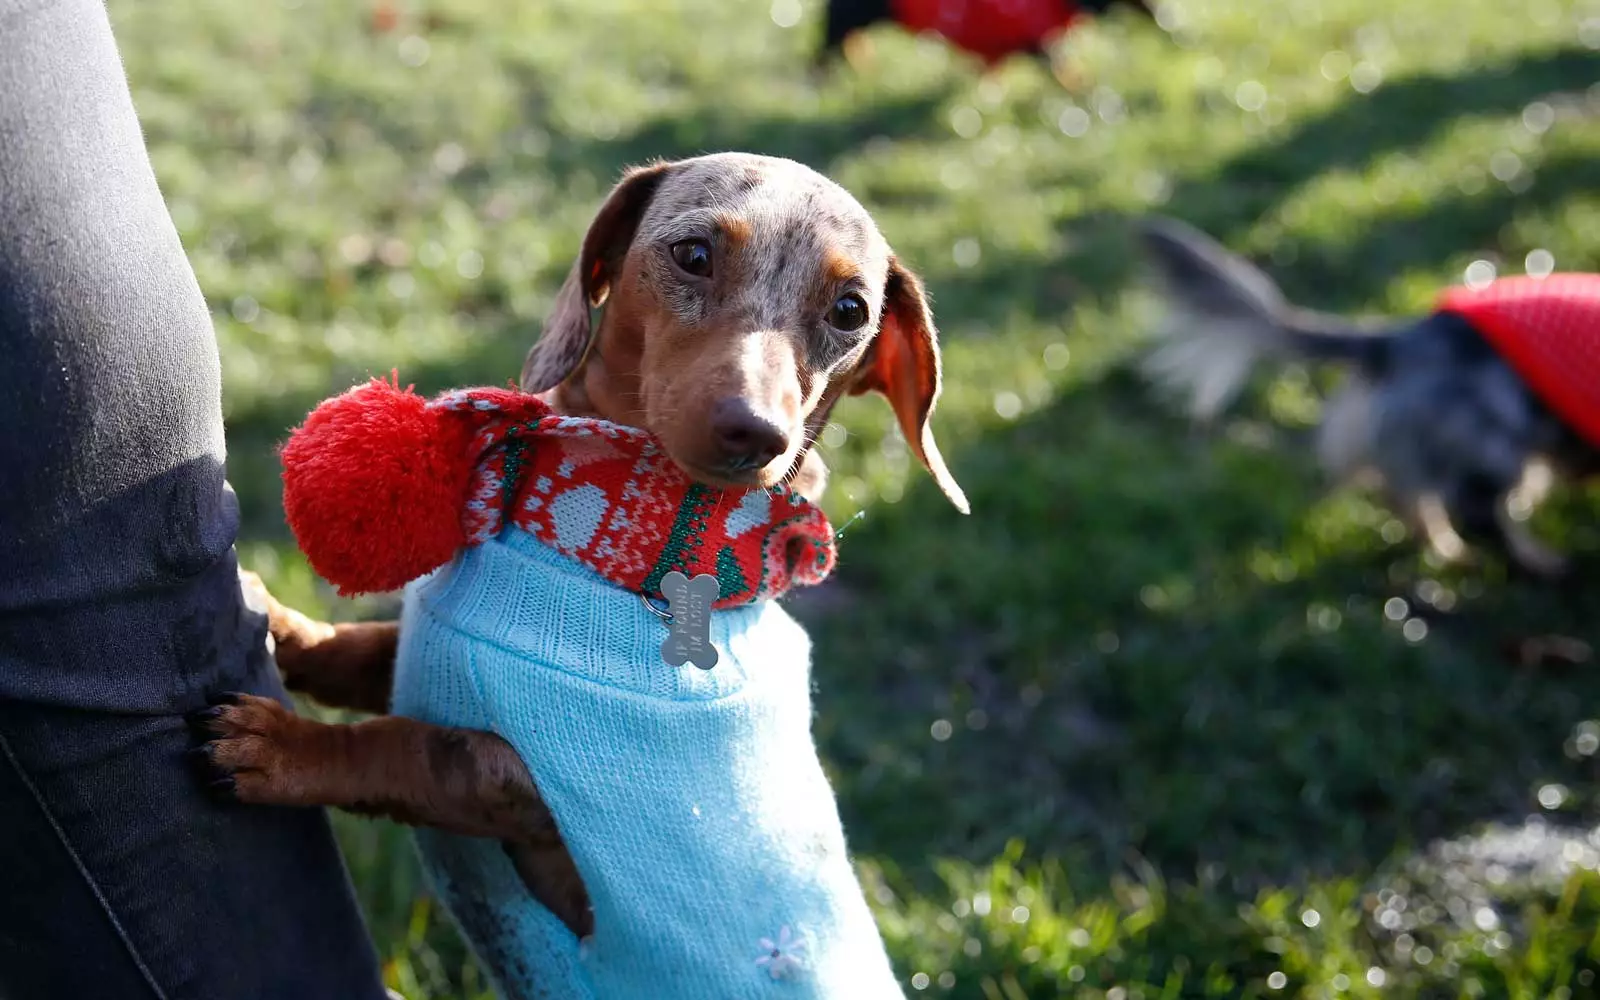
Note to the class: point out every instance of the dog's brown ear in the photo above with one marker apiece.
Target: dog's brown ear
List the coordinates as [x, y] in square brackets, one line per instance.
[903, 364]
[567, 334]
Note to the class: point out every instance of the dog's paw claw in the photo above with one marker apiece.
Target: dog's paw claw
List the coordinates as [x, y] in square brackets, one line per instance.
[218, 781]
[202, 717]
[243, 745]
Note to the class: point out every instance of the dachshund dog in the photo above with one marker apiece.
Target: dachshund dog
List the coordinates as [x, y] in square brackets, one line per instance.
[1461, 443]
[723, 303]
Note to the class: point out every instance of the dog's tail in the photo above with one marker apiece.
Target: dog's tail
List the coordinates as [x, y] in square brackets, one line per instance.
[1222, 315]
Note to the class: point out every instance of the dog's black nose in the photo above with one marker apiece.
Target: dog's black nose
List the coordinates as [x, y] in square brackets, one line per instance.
[746, 439]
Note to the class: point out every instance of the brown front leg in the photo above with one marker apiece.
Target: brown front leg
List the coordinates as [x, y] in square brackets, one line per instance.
[462, 781]
[350, 665]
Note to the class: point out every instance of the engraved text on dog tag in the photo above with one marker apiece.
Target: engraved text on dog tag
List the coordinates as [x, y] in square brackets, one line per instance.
[689, 630]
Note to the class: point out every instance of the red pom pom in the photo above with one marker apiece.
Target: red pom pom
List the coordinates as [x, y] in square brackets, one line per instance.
[373, 486]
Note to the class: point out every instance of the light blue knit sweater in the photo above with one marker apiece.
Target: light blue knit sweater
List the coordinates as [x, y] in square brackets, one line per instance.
[692, 801]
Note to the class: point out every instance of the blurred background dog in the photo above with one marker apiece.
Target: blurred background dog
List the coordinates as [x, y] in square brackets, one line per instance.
[1455, 436]
[992, 30]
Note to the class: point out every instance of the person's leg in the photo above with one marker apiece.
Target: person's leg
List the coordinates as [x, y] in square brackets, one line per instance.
[120, 609]
[121, 879]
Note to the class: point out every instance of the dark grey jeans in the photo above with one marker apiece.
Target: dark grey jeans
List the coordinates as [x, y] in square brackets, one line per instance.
[119, 606]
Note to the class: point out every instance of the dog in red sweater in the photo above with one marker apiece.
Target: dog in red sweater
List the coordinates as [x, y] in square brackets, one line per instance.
[1466, 414]
[992, 30]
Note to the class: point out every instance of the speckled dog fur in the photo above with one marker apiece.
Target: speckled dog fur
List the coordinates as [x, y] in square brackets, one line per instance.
[634, 338]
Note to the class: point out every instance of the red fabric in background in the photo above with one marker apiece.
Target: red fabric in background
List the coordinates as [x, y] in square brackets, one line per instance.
[1548, 330]
[990, 29]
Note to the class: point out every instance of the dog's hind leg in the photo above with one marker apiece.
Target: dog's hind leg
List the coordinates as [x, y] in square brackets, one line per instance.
[1432, 519]
[547, 869]
[1530, 554]
[1511, 515]
[1494, 509]
[1345, 436]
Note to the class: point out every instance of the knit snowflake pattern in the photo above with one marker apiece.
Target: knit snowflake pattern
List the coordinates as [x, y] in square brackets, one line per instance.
[783, 958]
[610, 497]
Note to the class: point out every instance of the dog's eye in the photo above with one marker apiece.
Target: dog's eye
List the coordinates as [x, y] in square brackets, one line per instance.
[849, 313]
[694, 256]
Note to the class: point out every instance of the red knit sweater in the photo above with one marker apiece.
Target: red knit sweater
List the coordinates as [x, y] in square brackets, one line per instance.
[990, 29]
[1548, 331]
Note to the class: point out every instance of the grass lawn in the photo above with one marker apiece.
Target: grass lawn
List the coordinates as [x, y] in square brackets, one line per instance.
[1162, 718]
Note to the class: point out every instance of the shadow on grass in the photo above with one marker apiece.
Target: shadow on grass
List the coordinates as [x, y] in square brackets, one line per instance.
[1140, 641]
[1358, 271]
[816, 142]
[1403, 114]
[1407, 113]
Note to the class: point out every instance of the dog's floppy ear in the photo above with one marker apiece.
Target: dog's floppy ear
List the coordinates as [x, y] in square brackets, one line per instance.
[567, 334]
[903, 364]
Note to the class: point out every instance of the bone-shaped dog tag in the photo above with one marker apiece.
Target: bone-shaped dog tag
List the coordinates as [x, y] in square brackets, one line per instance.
[689, 631]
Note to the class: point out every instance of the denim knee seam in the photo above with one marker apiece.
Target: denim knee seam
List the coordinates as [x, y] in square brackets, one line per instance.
[83, 870]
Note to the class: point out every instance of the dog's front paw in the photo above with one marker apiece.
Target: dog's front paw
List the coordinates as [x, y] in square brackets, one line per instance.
[254, 589]
[250, 749]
